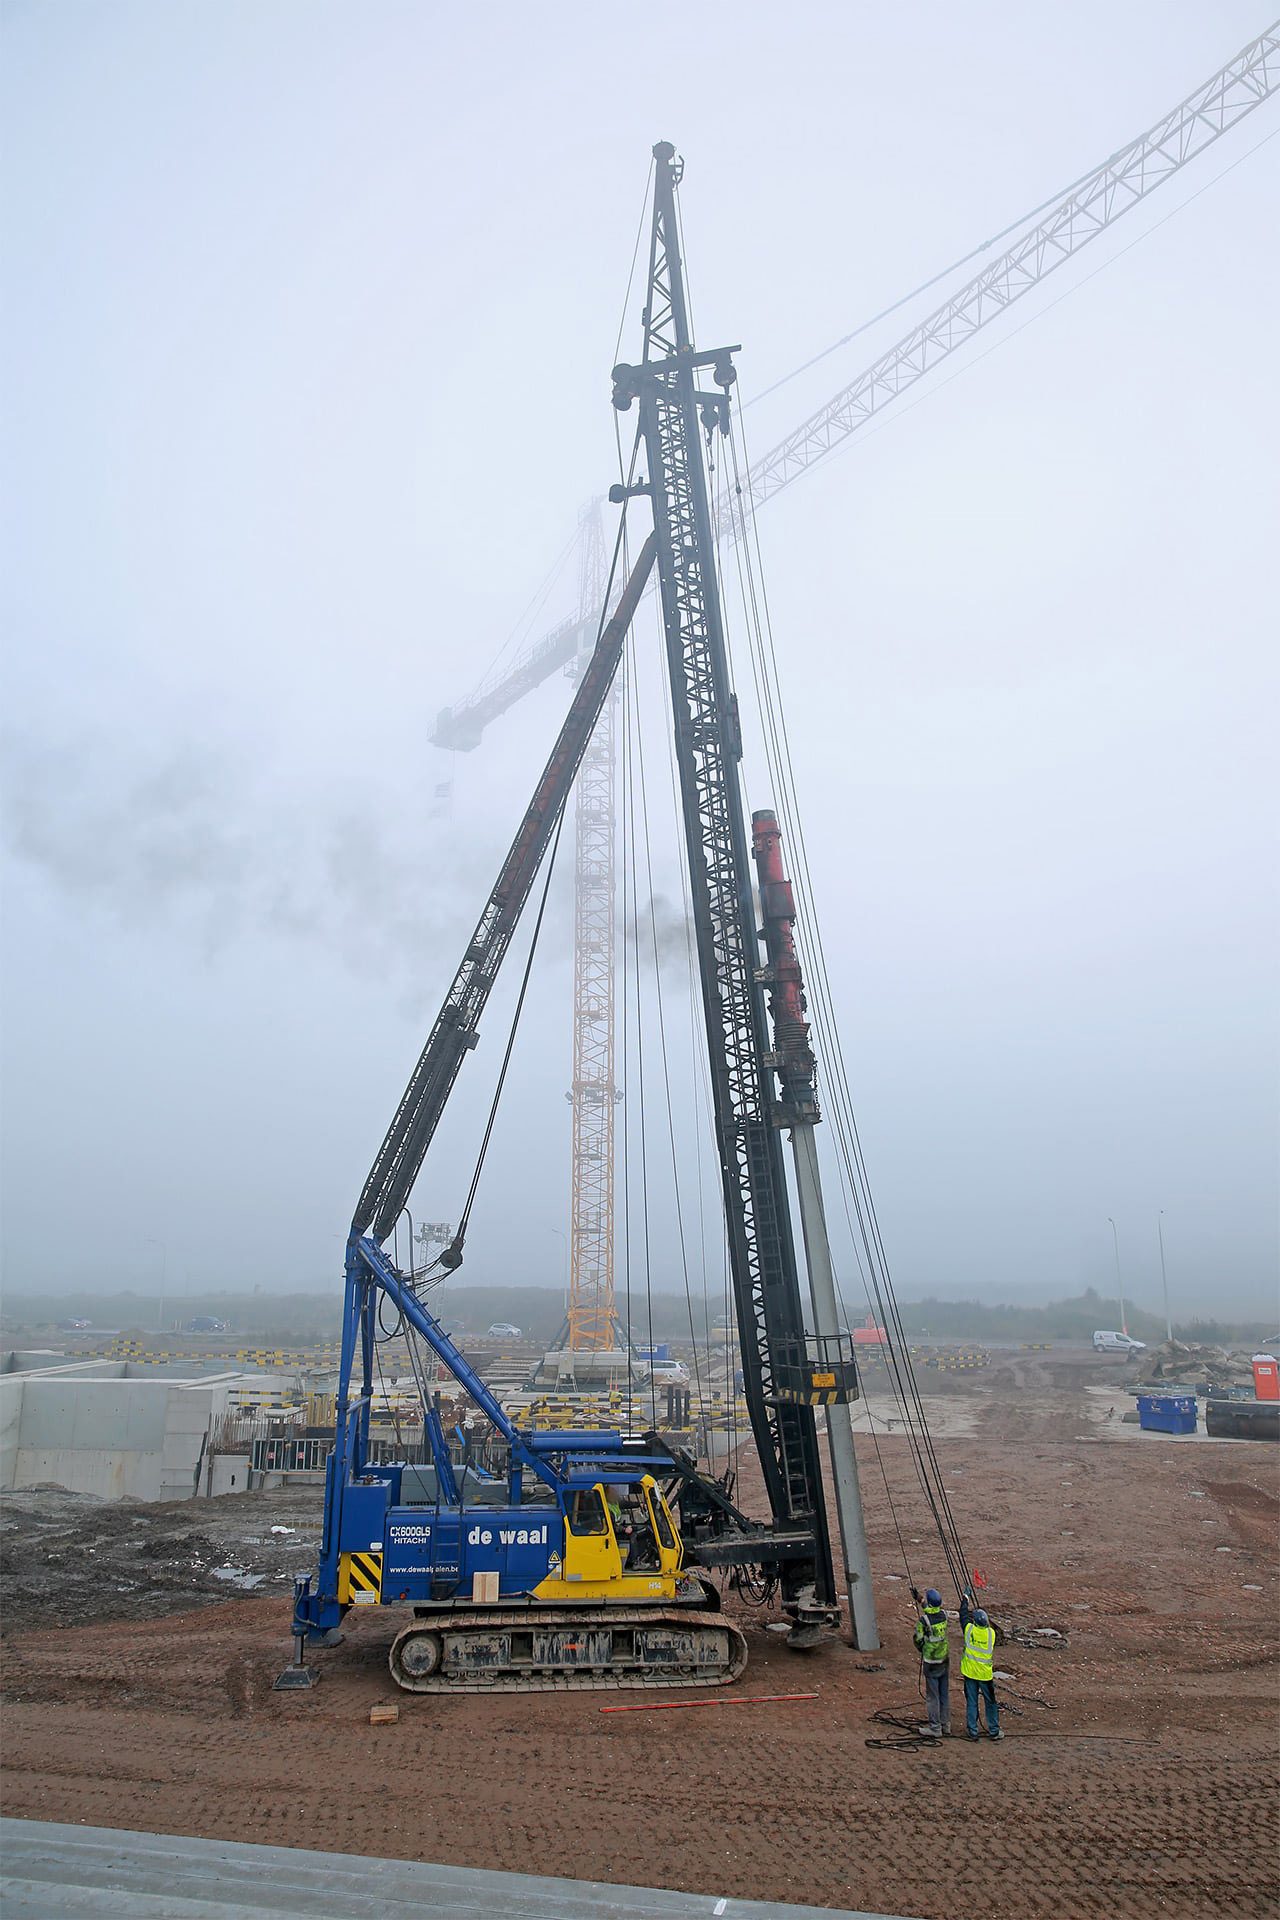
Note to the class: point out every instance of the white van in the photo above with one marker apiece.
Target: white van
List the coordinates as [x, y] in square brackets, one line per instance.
[1106, 1342]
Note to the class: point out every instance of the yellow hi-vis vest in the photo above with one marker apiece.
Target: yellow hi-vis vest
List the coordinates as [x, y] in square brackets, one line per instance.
[979, 1646]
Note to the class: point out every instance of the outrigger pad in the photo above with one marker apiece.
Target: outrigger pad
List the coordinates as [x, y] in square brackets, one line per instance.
[294, 1677]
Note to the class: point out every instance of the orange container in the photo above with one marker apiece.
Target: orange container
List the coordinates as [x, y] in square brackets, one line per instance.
[1266, 1376]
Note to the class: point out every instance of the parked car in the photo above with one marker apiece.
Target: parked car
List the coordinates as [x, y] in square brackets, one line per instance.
[74, 1326]
[205, 1323]
[668, 1373]
[1105, 1341]
[503, 1330]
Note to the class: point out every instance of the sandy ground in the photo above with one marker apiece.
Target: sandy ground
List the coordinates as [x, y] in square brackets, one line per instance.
[1139, 1775]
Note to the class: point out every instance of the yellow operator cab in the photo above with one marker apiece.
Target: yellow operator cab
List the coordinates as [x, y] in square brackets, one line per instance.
[645, 1563]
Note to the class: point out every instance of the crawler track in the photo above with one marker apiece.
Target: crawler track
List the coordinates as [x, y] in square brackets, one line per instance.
[556, 1650]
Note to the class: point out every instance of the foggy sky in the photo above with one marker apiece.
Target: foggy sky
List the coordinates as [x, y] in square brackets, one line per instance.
[309, 317]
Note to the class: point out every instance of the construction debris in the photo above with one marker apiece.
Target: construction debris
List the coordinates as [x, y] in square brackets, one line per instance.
[1213, 1367]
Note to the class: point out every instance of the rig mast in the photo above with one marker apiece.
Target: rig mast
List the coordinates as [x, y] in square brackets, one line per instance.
[674, 413]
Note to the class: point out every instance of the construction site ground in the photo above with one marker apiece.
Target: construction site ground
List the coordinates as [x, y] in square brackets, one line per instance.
[1136, 1585]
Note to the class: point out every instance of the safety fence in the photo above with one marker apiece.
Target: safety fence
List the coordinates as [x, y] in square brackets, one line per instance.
[140, 1353]
[675, 1412]
[952, 1361]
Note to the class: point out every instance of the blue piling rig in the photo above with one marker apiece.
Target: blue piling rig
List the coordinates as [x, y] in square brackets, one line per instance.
[362, 1501]
[532, 1581]
[382, 1545]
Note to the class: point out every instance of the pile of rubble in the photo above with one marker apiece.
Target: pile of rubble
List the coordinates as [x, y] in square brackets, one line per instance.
[68, 1559]
[1175, 1363]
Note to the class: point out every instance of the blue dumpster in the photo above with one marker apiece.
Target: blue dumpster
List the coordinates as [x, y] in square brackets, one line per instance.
[1167, 1412]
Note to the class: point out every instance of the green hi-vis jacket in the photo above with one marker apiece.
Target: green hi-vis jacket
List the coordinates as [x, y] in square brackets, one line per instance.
[930, 1636]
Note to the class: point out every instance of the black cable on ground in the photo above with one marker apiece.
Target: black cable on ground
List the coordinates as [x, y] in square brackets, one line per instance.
[909, 1734]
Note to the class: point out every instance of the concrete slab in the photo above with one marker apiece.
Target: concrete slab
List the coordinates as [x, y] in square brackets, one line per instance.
[65, 1873]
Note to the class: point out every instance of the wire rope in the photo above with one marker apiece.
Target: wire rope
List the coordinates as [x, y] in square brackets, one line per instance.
[856, 1183]
[852, 1161]
[721, 520]
[524, 621]
[626, 1062]
[746, 587]
[629, 863]
[635, 256]
[896, 306]
[460, 1235]
[935, 386]
[854, 1178]
[847, 1123]
[662, 1043]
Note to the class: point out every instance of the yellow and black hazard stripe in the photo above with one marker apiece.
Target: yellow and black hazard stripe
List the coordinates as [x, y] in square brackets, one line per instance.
[360, 1579]
[816, 1397]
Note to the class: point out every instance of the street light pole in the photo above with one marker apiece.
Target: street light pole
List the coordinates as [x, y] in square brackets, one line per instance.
[1164, 1278]
[1119, 1282]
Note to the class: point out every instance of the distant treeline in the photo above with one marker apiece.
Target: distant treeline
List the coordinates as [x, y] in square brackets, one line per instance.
[286, 1318]
[1074, 1319]
[282, 1318]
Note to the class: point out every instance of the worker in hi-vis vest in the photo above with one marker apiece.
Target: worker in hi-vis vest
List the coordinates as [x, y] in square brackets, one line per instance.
[933, 1644]
[976, 1670]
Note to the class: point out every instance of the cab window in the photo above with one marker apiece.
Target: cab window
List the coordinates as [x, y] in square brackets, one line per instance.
[666, 1539]
[587, 1514]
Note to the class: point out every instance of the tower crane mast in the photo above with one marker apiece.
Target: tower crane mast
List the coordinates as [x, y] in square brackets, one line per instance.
[590, 1316]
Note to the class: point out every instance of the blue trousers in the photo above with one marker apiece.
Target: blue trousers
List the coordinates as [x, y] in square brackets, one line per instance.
[937, 1695]
[991, 1706]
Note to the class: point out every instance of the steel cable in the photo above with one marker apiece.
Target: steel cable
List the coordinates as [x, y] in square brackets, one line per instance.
[751, 615]
[854, 1175]
[662, 1042]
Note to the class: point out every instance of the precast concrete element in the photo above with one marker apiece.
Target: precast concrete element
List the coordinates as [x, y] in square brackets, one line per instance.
[105, 1428]
[62, 1873]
